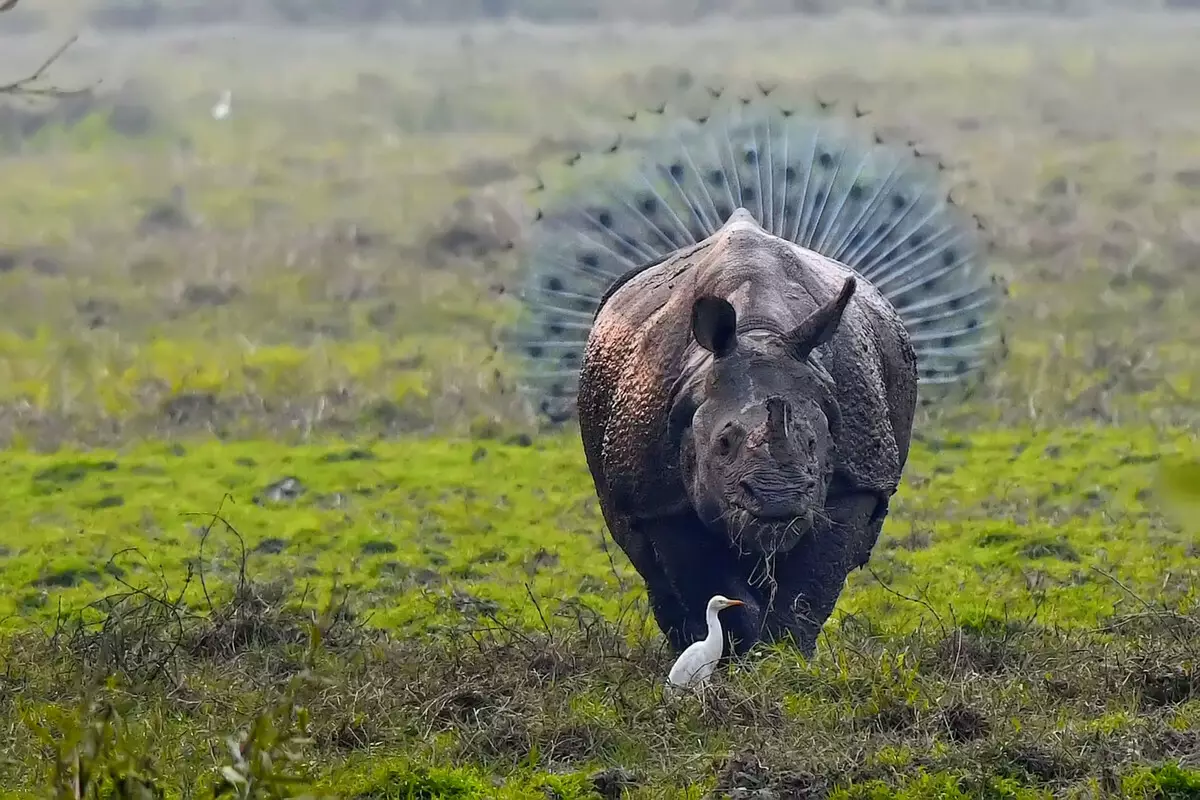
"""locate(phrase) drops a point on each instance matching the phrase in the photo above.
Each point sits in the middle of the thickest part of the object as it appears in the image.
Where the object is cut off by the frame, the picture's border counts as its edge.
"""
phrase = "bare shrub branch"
(26, 86)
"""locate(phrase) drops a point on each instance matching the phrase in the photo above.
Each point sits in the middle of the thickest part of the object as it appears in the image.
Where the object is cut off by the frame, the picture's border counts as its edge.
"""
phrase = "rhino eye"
(726, 441)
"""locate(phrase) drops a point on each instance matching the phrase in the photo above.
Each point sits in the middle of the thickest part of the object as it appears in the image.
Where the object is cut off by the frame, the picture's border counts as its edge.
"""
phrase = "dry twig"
(25, 86)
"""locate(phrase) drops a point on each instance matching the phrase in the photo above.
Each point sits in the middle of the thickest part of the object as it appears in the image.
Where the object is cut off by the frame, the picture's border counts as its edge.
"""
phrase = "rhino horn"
(714, 325)
(779, 422)
(819, 326)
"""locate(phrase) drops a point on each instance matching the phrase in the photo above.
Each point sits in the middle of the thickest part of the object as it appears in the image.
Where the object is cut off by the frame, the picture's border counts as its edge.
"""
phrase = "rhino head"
(759, 455)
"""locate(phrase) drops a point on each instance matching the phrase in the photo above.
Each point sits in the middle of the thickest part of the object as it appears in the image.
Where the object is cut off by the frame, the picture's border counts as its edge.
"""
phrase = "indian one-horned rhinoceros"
(741, 322)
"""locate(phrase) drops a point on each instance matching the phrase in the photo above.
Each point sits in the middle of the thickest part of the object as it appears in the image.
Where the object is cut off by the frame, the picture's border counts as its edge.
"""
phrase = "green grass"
(440, 612)
(481, 574)
(992, 524)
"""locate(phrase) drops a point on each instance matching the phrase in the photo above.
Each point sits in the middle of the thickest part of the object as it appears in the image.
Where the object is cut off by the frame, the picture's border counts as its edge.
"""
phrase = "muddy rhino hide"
(795, 593)
(641, 380)
(870, 361)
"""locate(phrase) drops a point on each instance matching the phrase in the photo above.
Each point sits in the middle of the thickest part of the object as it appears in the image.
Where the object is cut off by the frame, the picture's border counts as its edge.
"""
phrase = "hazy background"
(142, 14)
(337, 253)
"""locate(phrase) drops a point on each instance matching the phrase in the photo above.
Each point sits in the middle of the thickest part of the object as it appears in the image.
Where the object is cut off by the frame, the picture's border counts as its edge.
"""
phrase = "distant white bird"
(696, 664)
(222, 108)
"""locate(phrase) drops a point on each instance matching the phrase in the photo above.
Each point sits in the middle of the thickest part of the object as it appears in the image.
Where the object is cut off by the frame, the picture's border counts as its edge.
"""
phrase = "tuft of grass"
(267, 694)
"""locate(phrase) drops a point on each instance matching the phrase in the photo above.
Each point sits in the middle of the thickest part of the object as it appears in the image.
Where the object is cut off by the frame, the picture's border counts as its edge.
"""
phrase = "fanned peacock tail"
(880, 209)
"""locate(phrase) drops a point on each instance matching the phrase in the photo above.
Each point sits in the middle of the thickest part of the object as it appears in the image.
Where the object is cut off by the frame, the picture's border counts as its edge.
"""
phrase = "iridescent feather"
(879, 209)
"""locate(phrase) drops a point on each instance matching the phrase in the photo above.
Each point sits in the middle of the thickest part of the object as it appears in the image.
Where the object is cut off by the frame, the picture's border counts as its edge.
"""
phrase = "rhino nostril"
(747, 490)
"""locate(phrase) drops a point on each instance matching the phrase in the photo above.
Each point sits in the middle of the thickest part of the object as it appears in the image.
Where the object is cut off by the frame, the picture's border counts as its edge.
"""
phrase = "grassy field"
(267, 479)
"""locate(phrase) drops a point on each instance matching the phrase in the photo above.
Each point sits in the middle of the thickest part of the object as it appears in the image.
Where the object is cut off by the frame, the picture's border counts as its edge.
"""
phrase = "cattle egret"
(221, 109)
(696, 663)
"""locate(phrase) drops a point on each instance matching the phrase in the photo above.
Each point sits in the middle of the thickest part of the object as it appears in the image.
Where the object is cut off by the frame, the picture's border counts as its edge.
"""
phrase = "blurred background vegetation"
(139, 14)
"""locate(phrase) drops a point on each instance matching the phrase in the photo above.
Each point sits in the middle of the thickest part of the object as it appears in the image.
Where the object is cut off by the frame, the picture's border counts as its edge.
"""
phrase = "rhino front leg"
(698, 565)
(669, 612)
(874, 527)
(810, 578)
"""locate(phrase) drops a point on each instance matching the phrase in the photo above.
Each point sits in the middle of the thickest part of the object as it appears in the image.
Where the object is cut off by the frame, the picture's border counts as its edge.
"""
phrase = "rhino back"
(640, 351)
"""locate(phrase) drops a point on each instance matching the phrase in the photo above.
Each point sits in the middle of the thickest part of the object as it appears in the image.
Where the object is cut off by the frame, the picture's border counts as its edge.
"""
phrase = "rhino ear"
(819, 326)
(714, 325)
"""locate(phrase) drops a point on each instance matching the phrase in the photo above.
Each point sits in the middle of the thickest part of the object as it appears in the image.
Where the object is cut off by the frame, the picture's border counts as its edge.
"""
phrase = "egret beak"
(736, 603)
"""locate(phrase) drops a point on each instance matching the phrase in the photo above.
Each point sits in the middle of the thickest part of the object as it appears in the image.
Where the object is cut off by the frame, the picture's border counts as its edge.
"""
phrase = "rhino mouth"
(773, 517)
(777, 531)
(781, 518)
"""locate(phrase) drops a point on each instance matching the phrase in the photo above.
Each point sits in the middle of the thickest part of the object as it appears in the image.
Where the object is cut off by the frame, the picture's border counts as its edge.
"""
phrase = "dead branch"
(26, 86)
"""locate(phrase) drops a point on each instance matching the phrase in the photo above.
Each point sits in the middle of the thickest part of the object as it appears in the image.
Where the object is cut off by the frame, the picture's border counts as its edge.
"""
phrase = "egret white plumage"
(222, 108)
(696, 663)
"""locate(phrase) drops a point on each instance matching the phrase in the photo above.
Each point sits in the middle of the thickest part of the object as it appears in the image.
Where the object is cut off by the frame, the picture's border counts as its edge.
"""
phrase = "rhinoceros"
(740, 323)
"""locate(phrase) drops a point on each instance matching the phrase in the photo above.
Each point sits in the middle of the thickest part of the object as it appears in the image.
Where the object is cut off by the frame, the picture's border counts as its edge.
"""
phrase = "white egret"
(695, 664)
(221, 109)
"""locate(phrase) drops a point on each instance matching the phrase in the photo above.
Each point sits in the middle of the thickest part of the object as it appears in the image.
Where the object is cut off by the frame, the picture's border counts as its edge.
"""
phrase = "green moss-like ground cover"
(991, 523)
